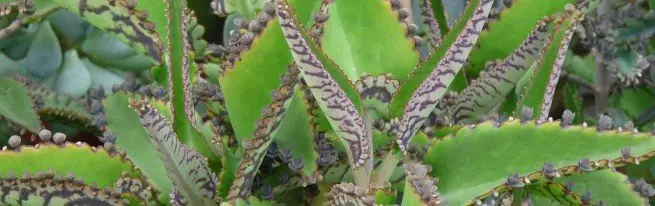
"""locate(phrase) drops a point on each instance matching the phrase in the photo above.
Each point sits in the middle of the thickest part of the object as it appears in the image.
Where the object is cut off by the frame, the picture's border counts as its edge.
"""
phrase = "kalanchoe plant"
(321, 102)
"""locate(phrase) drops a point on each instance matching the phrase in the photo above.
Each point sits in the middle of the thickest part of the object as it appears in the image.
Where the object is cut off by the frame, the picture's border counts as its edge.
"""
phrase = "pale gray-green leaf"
(104, 46)
(69, 25)
(74, 79)
(100, 76)
(44, 56)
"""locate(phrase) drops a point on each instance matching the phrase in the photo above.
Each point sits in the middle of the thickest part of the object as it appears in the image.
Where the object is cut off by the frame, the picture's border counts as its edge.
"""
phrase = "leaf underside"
(518, 19)
(187, 168)
(425, 98)
(344, 114)
(539, 93)
(486, 92)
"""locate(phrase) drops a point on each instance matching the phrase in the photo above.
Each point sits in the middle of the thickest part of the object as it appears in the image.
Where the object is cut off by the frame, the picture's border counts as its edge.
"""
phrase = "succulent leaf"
(28, 190)
(30, 160)
(17, 106)
(133, 138)
(44, 55)
(177, 59)
(562, 146)
(440, 15)
(139, 189)
(429, 19)
(346, 193)
(493, 85)
(607, 186)
(547, 193)
(259, 76)
(187, 168)
(383, 47)
(266, 128)
(425, 68)
(539, 92)
(519, 19)
(74, 78)
(296, 132)
(119, 19)
(343, 111)
(426, 96)
(420, 188)
(376, 91)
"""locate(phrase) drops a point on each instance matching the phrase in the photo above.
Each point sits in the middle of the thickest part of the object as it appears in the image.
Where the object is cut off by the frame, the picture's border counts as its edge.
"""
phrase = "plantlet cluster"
(326, 102)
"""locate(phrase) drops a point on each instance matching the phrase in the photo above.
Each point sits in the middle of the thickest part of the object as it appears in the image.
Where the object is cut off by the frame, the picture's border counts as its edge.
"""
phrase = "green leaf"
(385, 197)
(365, 36)
(440, 15)
(424, 97)
(177, 59)
(547, 193)
(101, 45)
(434, 18)
(57, 104)
(541, 87)
(608, 186)
(17, 45)
(71, 26)
(101, 77)
(97, 167)
(44, 56)
(296, 132)
(420, 188)
(257, 75)
(230, 164)
(266, 128)
(74, 78)
(376, 93)
(17, 106)
(327, 86)
(133, 138)
(57, 191)
(486, 92)
(10, 67)
(581, 66)
(518, 19)
(424, 69)
(122, 22)
(634, 101)
(486, 155)
(573, 101)
(633, 29)
(187, 168)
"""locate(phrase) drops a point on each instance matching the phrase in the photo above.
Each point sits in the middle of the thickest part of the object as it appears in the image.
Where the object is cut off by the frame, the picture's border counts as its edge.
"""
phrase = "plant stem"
(386, 169)
(13, 27)
(602, 84)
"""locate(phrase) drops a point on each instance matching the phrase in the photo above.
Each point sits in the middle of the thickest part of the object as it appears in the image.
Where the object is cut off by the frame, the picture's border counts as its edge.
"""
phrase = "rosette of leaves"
(334, 116)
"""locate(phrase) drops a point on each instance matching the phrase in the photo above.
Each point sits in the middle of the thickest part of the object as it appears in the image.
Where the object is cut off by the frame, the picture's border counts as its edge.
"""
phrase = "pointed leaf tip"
(342, 113)
(425, 98)
(186, 167)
